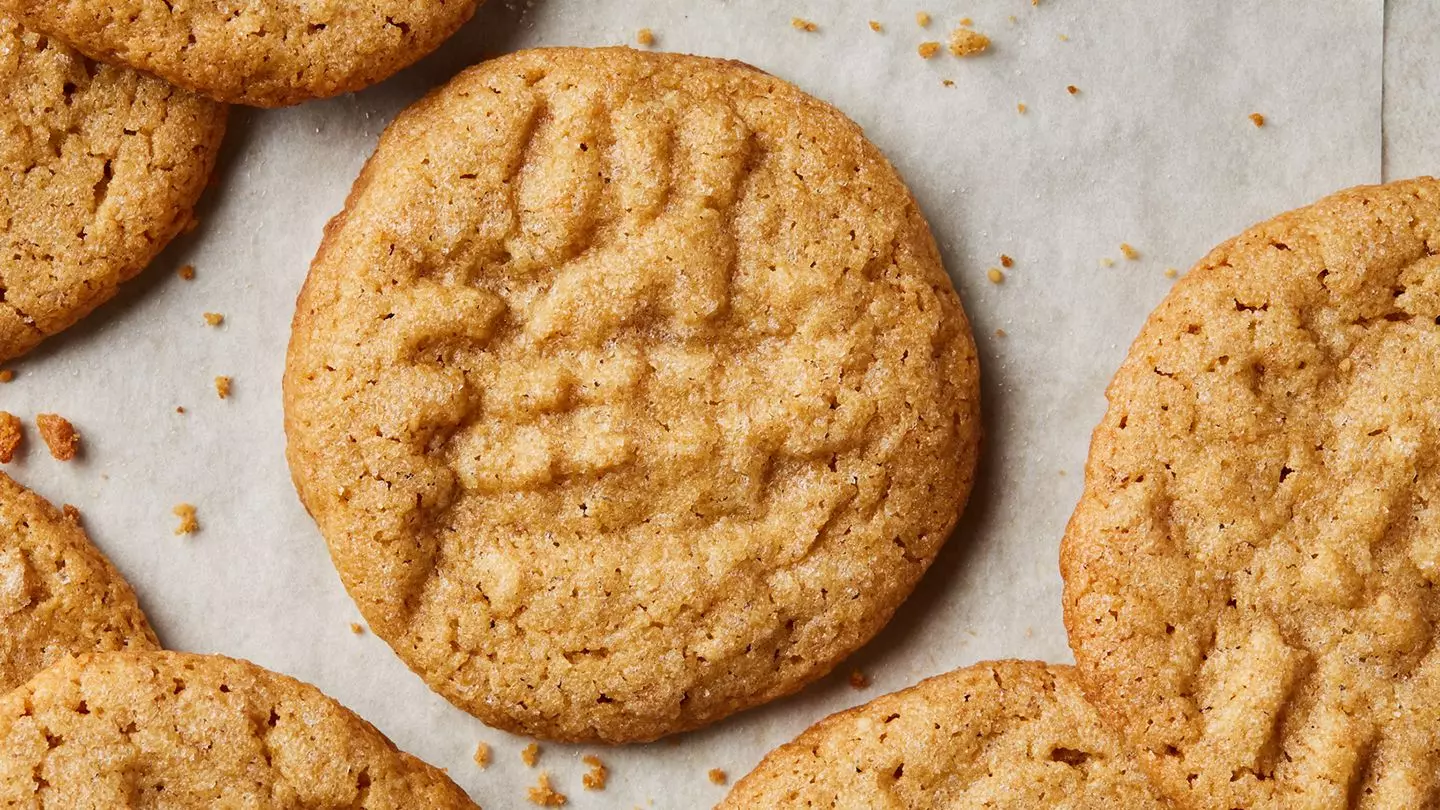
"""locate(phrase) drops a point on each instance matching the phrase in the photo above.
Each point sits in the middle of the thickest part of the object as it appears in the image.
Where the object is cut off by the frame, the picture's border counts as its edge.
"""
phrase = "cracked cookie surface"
(59, 596)
(1003, 735)
(266, 53)
(1250, 575)
(101, 169)
(174, 730)
(628, 391)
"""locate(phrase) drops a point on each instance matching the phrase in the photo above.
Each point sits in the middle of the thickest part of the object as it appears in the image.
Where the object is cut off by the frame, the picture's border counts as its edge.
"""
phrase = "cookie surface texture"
(102, 168)
(266, 53)
(180, 731)
(1250, 575)
(629, 392)
(58, 594)
(1004, 735)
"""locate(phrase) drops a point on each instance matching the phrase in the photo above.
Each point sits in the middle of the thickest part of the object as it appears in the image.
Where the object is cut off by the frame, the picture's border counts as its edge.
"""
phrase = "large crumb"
(800, 24)
(922, 19)
(858, 679)
(188, 523)
(965, 42)
(530, 755)
(188, 272)
(717, 776)
(222, 387)
(546, 796)
(595, 779)
(645, 37)
(6, 375)
(59, 436)
(214, 318)
(11, 434)
(1257, 119)
(482, 756)
(928, 49)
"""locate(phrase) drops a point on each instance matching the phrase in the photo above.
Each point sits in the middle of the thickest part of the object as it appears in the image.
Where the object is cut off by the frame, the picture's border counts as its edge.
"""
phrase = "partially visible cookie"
(266, 53)
(629, 391)
(1004, 735)
(99, 168)
(180, 731)
(1251, 575)
(58, 594)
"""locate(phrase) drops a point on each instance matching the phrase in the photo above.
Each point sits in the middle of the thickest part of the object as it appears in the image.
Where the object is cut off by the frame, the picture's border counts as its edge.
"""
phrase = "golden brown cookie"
(59, 596)
(1250, 576)
(180, 731)
(101, 168)
(629, 391)
(267, 53)
(1003, 735)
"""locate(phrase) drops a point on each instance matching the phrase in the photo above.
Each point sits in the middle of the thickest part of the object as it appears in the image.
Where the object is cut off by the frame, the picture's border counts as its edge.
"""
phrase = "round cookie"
(59, 596)
(178, 731)
(629, 392)
(101, 168)
(1017, 735)
(266, 53)
(1250, 575)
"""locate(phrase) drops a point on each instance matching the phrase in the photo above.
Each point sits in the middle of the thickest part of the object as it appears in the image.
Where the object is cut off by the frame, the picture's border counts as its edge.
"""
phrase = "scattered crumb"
(717, 776)
(482, 756)
(858, 679)
(1171, 272)
(180, 409)
(928, 49)
(803, 25)
(1006, 261)
(995, 276)
(12, 433)
(546, 796)
(595, 779)
(214, 318)
(222, 387)
(966, 21)
(71, 513)
(188, 523)
(1130, 253)
(357, 628)
(7, 375)
(1072, 89)
(188, 272)
(1064, 38)
(877, 27)
(1021, 108)
(964, 42)
(947, 82)
(922, 19)
(1107, 262)
(1257, 119)
(1000, 333)
(59, 436)
(530, 755)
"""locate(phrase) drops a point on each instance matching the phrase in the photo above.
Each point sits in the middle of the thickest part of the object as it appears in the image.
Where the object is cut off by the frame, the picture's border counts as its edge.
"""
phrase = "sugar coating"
(1006, 734)
(629, 392)
(158, 730)
(101, 168)
(1250, 575)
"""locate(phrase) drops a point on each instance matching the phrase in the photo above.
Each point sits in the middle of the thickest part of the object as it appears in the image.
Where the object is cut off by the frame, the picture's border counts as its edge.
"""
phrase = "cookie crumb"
(922, 19)
(965, 42)
(59, 436)
(1006, 261)
(1257, 119)
(595, 779)
(717, 776)
(995, 276)
(645, 37)
(1072, 89)
(180, 409)
(800, 24)
(187, 272)
(877, 27)
(1107, 262)
(222, 387)
(947, 82)
(544, 795)
(1000, 333)
(1064, 38)
(357, 628)
(928, 49)
(188, 523)
(530, 755)
(7, 375)
(1171, 272)
(12, 433)
(858, 679)
(1130, 253)
(482, 755)
(214, 318)
(966, 21)
(1021, 108)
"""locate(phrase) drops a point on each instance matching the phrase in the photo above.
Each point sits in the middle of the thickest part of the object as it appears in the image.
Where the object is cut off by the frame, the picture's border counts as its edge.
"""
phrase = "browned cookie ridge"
(267, 53)
(59, 596)
(1250, 575)
(629, 391)
(102, 167)
(146, 731)
(1004, 735)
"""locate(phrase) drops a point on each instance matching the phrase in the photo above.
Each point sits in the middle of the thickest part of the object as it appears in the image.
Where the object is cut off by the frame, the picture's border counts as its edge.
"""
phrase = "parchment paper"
(1156, 149)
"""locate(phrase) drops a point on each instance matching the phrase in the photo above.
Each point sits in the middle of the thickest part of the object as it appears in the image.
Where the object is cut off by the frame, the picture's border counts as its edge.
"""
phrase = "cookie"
(629, 391)
(175, 730)
(101, 169)
(58, 594)
(1250, 575)
(1004, 734)
(266, 53)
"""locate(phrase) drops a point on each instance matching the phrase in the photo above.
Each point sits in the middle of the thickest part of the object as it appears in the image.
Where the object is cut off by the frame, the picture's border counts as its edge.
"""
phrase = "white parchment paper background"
(1155, 150)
